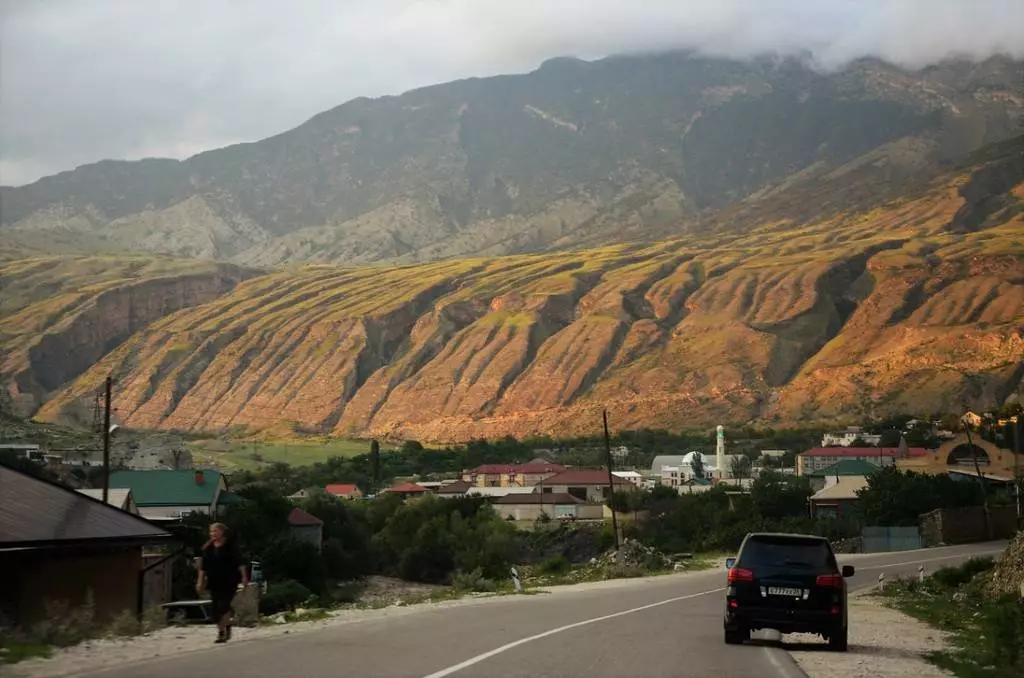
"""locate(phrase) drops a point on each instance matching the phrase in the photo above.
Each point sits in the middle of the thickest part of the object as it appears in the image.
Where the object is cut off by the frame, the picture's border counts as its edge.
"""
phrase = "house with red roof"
(408, 489)
(344, 490)
(590, 485)
(818, 458)
(512, 475)
(306, 527)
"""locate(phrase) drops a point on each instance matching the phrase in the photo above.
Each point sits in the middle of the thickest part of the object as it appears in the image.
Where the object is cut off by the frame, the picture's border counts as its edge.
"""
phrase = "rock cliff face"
(61, 316)
(890, 309)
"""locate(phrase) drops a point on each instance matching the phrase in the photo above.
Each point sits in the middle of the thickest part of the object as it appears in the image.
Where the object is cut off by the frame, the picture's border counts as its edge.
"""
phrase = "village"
(126, 542)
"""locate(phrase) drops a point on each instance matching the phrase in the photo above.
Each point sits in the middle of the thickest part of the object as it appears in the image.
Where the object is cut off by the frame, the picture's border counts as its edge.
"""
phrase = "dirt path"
(883, 643)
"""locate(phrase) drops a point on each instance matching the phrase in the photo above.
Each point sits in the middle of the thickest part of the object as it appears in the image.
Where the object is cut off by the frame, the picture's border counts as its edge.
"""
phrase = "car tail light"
(738, 574)
(830, 581)
(734, 604)
(836, 609)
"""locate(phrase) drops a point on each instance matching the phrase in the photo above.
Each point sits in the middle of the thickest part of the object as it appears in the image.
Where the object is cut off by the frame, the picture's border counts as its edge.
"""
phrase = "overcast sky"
(83, 80)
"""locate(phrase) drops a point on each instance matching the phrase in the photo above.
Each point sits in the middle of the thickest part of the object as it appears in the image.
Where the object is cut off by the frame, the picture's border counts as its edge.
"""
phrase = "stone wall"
(967, 525)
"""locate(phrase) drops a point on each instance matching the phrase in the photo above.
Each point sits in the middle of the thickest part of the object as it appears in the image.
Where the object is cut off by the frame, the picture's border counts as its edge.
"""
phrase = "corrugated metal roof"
(169, 488)
(116, 496)
(846, 488)
(38, 513)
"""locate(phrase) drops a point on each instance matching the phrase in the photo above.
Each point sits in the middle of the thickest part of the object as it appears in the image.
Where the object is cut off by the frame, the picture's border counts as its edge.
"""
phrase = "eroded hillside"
(899, 308)
(61, 315)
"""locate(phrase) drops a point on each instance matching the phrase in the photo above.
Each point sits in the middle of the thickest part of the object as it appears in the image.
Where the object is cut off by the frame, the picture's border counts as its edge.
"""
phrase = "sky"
(85, 80)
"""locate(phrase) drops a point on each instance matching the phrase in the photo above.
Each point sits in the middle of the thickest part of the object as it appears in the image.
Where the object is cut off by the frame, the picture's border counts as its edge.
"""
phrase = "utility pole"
(611, 484)
(1018, 433)
(981, 482)
(106, 439)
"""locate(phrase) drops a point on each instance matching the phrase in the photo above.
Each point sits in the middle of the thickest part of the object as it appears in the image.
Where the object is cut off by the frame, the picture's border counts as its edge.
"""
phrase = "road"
(655, 627)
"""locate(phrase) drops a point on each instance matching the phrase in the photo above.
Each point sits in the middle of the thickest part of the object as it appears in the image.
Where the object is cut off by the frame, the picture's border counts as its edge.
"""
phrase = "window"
(772, 551)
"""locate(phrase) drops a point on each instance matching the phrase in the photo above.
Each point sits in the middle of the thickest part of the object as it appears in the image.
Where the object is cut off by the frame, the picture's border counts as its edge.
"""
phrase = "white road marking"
(930, 560)
(522, 641)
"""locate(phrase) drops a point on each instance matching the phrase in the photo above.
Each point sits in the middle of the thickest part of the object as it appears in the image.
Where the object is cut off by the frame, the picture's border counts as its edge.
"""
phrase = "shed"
(58, 545)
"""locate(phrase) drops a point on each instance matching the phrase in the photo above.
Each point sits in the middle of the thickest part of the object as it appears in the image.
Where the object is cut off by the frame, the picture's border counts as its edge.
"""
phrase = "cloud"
(82, 80)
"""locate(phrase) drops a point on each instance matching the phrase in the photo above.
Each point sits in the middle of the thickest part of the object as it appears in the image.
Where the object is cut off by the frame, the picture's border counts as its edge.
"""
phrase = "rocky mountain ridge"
(573, 154)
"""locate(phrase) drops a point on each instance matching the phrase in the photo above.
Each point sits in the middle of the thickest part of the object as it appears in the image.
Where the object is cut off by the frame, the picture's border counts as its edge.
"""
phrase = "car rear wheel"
(736, 636)
(837, 640)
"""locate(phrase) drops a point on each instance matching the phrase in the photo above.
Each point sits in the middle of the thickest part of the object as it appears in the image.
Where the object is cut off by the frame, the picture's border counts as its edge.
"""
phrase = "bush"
(287, 558)
(124, 625)
(953, 577)
(472, 581)
(65, 625)
(555, 565)
(284, 595)
(1002, 628)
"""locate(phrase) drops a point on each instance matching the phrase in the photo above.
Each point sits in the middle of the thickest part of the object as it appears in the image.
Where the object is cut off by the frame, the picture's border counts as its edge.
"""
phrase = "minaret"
(720, 451)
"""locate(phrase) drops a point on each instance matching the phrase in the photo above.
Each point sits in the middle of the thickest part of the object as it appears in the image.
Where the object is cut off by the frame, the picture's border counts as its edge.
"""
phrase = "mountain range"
(683, 240)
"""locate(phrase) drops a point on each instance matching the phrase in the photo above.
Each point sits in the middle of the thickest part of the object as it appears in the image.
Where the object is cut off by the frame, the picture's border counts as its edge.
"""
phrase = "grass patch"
(253, 455)
(986, 634)
(12, 653)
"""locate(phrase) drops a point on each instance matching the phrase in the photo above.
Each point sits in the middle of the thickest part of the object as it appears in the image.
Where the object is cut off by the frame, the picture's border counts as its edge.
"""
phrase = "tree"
(697, 465)
(895, 498)
(374, 465)
(777, 496)
(740, 466)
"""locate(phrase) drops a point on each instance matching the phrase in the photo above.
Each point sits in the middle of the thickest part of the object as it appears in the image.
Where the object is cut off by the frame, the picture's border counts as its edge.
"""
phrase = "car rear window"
(787, 552)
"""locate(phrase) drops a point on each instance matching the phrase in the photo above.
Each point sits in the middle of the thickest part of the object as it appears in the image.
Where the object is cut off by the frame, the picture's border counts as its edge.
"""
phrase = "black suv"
(787, 582)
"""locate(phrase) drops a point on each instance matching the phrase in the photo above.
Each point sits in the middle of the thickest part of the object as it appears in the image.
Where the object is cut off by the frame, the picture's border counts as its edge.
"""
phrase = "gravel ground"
(883, 643)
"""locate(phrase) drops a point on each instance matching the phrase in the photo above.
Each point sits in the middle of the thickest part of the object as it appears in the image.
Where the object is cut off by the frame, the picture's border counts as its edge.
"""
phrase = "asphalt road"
(656, 627)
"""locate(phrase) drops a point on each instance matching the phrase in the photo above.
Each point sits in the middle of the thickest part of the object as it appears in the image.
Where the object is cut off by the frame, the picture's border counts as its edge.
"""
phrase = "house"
(555, 505)
(474, 491)
(512, 475)
(456, 489)
(169, 495)
(587, 484)
(632, 476)
(407, 489)
(971, 419)
(818, 458)
(838, 500)
(830, 475)
(118, 497)
(849, 437)
(59, 545)
(306, 527)
(344, 490)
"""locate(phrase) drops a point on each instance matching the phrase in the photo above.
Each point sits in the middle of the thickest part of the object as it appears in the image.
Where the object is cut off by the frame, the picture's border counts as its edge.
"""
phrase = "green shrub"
(283, 595)
(472, 581)
(555, 565)
(953, 577)
(1002, 628)
(124, 625)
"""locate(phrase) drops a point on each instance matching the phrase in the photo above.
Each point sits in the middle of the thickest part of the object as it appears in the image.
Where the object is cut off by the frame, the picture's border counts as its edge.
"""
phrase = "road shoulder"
(883, 643)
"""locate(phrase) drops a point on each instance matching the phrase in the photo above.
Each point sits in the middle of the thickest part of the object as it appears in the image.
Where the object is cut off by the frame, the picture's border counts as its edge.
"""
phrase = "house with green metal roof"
(168, 495)
(830, 475)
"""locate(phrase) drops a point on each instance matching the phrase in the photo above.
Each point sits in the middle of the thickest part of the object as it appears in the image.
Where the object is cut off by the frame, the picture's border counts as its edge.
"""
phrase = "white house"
(848, 437)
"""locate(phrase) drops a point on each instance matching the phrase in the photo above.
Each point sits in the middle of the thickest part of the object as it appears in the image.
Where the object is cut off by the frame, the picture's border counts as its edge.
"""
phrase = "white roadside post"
(515, 580)
(920, 573)
(881, 581)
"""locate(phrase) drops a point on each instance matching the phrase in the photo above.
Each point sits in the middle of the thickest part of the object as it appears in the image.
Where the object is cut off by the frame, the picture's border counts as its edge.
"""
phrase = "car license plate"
(782, 591)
